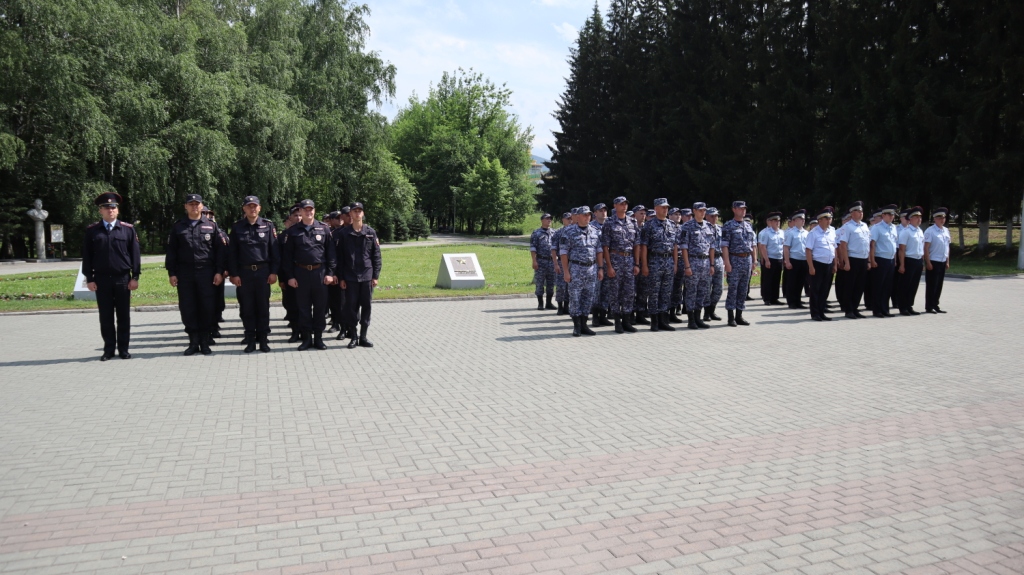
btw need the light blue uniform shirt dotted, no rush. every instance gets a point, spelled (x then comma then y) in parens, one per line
(773, 240)
(822, 244)
(938, 243)
(795, 240)
(913, 238)
(858, 239)
(885, 237)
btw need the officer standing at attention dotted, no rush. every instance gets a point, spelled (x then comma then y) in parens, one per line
(291, 313)
(738, 245)
(600, 216)
(820, 250)
(640, 289)
(220, 303)
(718, 279)
(111, 264)
(770, 243)
(579, 250)
(334, 297)
(936, 249)
(795, 260)
(308, 260)
(869, 277)
(659, 261)
(678, 303)
(911, 256)
(359, 264)
(543, 266)
(561, 289)
(904, 224)
(344, 332)
(196, 255)
(619, 242)
(253, 261)
(855, 247)
(884, 245)
(696, 243)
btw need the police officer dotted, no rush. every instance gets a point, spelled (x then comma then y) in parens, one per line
(291, 312)
(820, 250)
(561, 288)
(195, 260)
(335, 291)
(882, 258)
(641, 284)
(111, 264)
(308, 260)
(619, 242)
(738, 245)
(869, 277)
(678, 302)
(770, 243)
(718, 279)
(220, 301)
(659, 261)
(543, 266)
(334, 296)
(579, 248)
(253, 262)
(696, 244)
(359, 264)
(600, 215)
(936, 252)
(855, 246)
(911, 256)
(795, 260)
(902, 225)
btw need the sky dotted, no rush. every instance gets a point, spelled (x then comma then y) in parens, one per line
(523, 44)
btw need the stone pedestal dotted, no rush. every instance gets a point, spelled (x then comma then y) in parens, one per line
(460, 271)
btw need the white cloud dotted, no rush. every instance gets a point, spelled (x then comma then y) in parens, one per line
(566, 31)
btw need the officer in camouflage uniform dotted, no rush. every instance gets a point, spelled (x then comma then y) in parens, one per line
(659, 261)
(738, 245)
(619, 241)
(696, 244)
(718, 279)
(640, 289)
(583, 260)
(543, 265)
(561, 289)
(600, 216)
(677, 279)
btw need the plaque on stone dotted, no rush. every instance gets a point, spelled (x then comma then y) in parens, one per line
(460, 271)
(82, 292)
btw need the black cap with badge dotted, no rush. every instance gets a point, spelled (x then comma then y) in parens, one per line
(108, 200)
(250, 200)
(306, 204)
(356, 206)
(193, 198)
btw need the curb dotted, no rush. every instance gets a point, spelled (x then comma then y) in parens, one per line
(157, 308)
(969, 277)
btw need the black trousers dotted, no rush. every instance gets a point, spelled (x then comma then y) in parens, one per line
(821, 285)
(254, 300)
(855, 281)
(359, 296)
(197, 299)
(335, 303)
(869, 287)
(311, 299)
(933, 280)
(114, 300)
(895, 292)
(840, 283)
(795, 282)
(221, 304)
(771, 280)
(288, 303)
(883, 282)
(909, 281)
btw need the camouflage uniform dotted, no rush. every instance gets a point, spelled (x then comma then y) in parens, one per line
(580, 245)
(718, 279)
(620, 236)
(598, 299)
(697, 239)
(544, 275)
(561, 289)
(739, 237)
(660, 238)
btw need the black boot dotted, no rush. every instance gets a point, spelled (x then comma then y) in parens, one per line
(354, 341)
(641, 318)
(603, 320)
(691, 324)
(343, 333)
(363, 340)
(247, 338)
(575, 326)
(618, 323)
(193, 344)
(653, 323)
(583, 327)
(627, 323)
(596, 321)
(563, 308)
(295, 336)
(318, 341)
(732, 318)
(712, 314)
(204, 343)
(250, 346)
(307, 341)
(540, 302)
(697, 320)
(550, 305)
(673, 318)
(216, 332)
(739, 318)
(264, 344)
(663, 322)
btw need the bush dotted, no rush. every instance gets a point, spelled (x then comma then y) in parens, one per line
(385, 228)
(400, 226)
(418, 226)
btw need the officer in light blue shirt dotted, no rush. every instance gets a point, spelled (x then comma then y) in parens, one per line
(795, 260)
(856, 246)
(911, 257)
(770, 242)
(820, 248)
(884, 244)
(936, 244)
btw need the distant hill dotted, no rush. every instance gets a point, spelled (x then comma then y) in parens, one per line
(540, 159)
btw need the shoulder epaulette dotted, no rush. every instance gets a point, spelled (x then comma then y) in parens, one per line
(126, 224)
(93, 225)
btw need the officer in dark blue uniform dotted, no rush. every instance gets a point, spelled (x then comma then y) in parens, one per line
(334, 290)
(309, 260)
(111, 264)
(195, 260)
(291, 314)
(253, 262)
(359, 264)
(220, 303)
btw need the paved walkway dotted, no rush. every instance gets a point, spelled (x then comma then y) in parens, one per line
(479, 437)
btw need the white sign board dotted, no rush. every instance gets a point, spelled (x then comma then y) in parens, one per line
(460, 271)
(81, 290)
(56, 234)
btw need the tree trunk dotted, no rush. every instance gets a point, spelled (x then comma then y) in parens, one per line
(960, 226)
(984, 217)
(1020, 247)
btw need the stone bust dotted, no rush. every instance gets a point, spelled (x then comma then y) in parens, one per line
(37, 213)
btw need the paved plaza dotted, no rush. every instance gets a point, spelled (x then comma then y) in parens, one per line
(479, 437)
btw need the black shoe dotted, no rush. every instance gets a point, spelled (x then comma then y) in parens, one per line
(295, 337)
(583, 326)
(193, 345)
(318, 341)
(816, 317)
(550, 305)
(603, 320)
(749, 298)
(250, 347)
(627, 323)
(596, 321)
(739, 318)
(204, 344)
(912, 312)
(713, 315)
(654, 322)
(540, 302)
(364, 342)
(216, 333)
(663, 322)
(776, 302)
(850, 315)
(641, 319)
(825, 318)
(125, 355)
(700, 323)
(937, 310)
(877, 314)
(353, 343)
(691, 323)
(859, 315)
(673, 318)
(247, 338)
(264, 344)
(330, 329)
(904, 312)
(575, 327)
(618, 323)
(307, 342)
(732, 317)
(342, 334)
(563, 308)
(106, 356)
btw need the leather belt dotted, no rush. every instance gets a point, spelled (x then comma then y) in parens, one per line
(590, 263)
(660, 254)
(254, 267)
(309, 267)
(623, 254)
(739, 255)
(699, 256)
